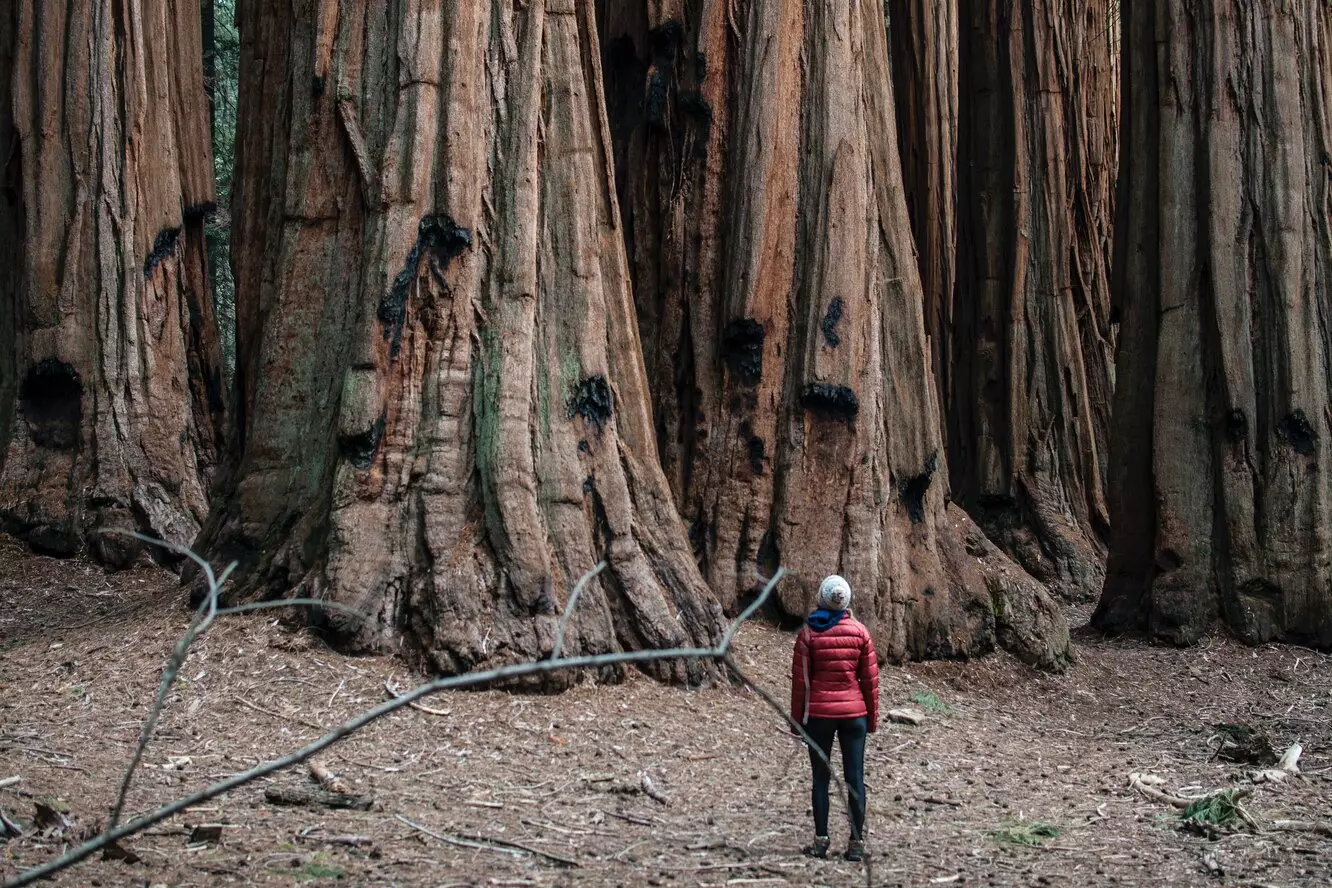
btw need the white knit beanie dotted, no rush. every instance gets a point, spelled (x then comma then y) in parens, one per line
(835, 594)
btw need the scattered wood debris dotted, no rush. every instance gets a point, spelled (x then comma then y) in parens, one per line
(309, 797)
(328, 780)
(205, 834)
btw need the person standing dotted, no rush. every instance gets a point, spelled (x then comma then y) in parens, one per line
(835, 693)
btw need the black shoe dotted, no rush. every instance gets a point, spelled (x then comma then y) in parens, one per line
(819, 848)
(855, 851)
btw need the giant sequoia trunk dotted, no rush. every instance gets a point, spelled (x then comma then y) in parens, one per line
(923, 49)
(781, 308)
(1031, 384)
(111, 401)
(1222, 448)
(445, 411)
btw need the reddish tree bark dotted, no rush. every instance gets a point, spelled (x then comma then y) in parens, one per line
(1222, 443)
(111, 391)
(1031, 383)
(445, 411)
(923, 46)
(782, 312)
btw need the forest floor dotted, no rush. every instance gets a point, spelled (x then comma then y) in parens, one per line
(1003, 751)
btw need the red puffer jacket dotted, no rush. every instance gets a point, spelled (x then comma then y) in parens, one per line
(835, 674)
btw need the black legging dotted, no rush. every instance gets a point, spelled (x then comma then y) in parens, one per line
(851, 732)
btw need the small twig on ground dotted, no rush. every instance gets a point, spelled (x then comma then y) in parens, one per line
(1322, 829)
(394, 693)
(651, 789)
(933, 800)
(291, 718)
(8, 828)
(454, 840)
(505, 846)
(10, 781)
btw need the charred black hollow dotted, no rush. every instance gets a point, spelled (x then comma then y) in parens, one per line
(742, 349)
(437, 237)
(1296, 430)
(912, 491)
(697, 109)
(836, 402)
(199, 211)
(755, 446)
(51, 398)
(592, 400)
(1237, 425)
(360, 449)
(164, 247)
(664, 41)
(830, 322)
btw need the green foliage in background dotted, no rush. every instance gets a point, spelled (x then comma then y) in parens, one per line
(223, 84)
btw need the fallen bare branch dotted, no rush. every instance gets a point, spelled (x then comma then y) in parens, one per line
(569, 608)
(203, 617)
(471, 679)
(10, 781)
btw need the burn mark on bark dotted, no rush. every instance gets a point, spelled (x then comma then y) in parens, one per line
(912, 491)
(200, 211)
(755, 446)
(438, 237)
(317, 86)
(1296, 430)
(830, 322)
(164, 246)
(665, 40)
(51, 399)
(697, 109)
(360, 449)
(742, 349)
(1237, 425)
(769, 553)
(592, 400)
(700, 66)
(58, 542)
(835, 402)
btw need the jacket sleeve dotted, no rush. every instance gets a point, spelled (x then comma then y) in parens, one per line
(868, 673)
(798, 659)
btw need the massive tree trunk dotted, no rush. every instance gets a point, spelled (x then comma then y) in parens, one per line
(1031, 384)
(445, 411)
(780, 303)
(922, 36)
(1222, 447)
(111, 392)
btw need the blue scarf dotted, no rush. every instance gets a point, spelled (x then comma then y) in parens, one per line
(822, 619)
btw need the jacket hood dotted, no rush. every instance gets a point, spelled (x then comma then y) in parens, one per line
(822, 619)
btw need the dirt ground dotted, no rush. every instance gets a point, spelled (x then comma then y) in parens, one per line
(1002, 749)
